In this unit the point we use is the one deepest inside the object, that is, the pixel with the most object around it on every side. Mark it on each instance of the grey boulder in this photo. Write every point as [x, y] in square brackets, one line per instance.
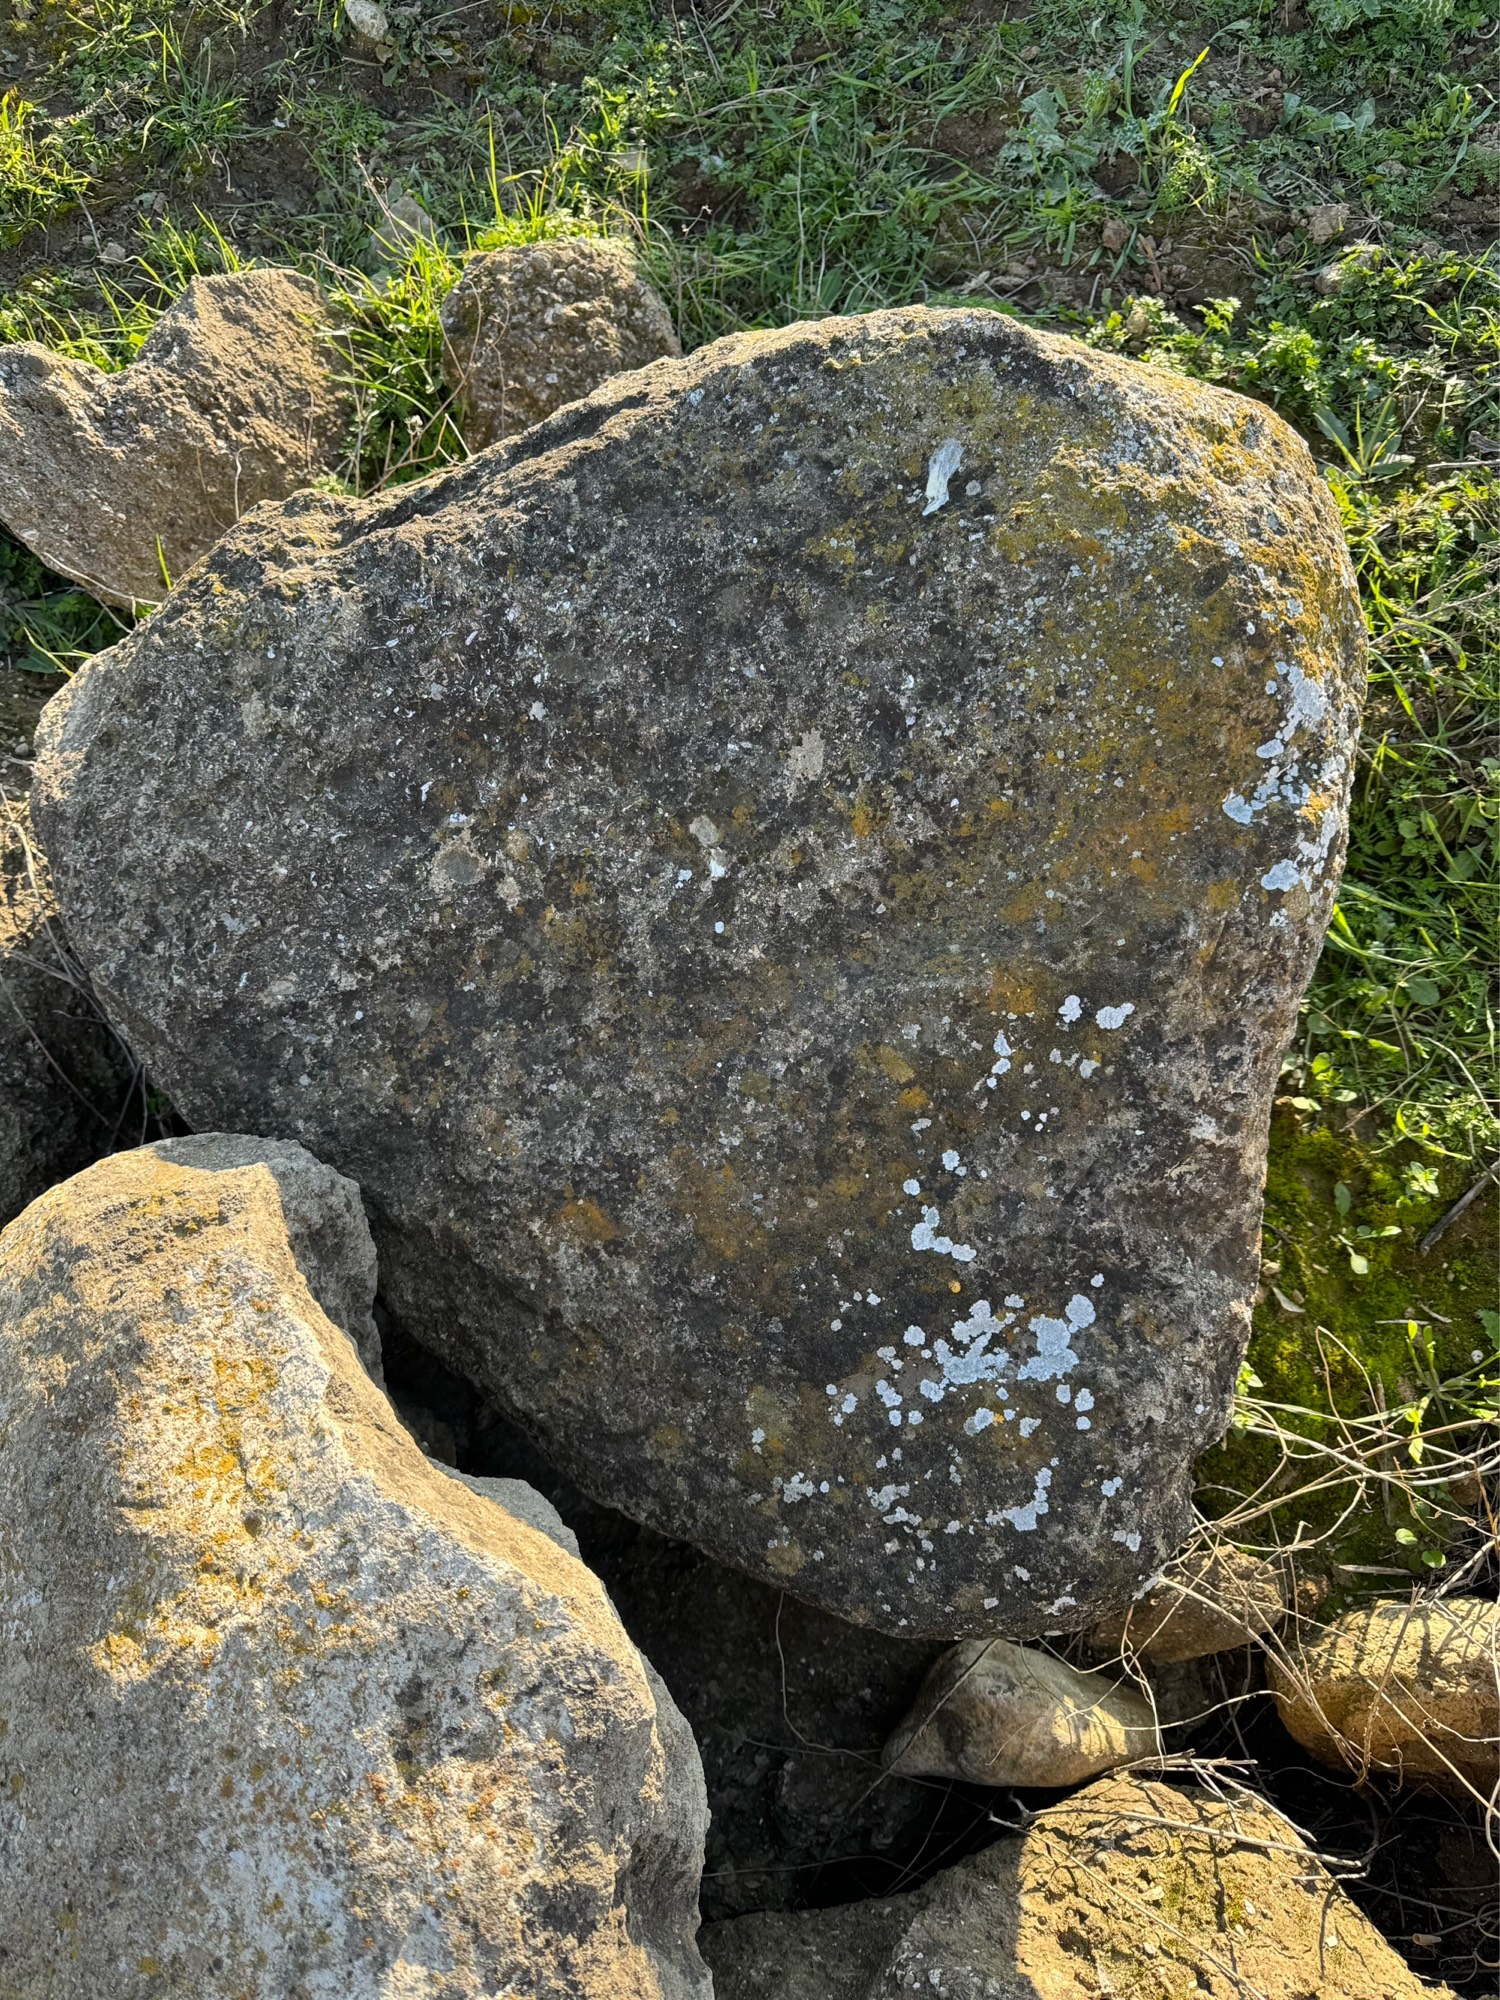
[285, 1709]
[787, 886]
[122, 481]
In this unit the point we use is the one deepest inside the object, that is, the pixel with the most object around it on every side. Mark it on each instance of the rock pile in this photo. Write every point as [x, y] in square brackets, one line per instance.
[286, 1708]
[122, 481]
[763, 911]
[786, 886]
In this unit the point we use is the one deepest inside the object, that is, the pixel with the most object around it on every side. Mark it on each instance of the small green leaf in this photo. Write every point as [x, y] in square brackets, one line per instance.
[1433, 1558]
[1343, 1201]
[1360, 1266]
[1424, 991]
[1406, 1538]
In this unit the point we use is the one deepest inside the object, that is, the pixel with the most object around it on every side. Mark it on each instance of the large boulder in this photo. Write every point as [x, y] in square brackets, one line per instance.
[66, 1081]
[122, 481]
[1131, 1888]
[1410, 1689]
[536, 325]
[284, 1708]
[996, 1714]
[787, 887]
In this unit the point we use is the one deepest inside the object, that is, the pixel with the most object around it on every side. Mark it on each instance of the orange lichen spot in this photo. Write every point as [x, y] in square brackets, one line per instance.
[915, 1099]
[864, 819]
[583, 888]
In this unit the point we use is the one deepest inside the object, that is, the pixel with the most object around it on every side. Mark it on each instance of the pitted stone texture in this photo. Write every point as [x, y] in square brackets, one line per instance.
[992, 1713]
[65, 1080]
[787, 887]
[287, 1709]
[1131, 1889]
[529, 328]
[232, 399]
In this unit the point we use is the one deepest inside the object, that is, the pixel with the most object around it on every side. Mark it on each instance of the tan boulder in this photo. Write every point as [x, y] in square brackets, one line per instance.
[1412, 1689]
[1209, 1601]
[122, 481]
[1134, 1890]
[284, 1708]
[993, 1713]
[529, 328]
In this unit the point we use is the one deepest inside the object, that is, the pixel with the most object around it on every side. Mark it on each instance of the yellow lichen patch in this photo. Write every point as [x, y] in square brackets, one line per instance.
[1009, 993]
[865, 818]
[895, 1065]
[584, 1221]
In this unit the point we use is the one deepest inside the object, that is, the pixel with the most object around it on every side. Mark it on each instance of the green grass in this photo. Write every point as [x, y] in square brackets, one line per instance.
[1289, 197]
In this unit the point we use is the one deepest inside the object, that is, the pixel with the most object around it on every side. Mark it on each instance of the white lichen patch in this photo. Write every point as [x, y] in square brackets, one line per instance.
[1313, 798]
[1115, 1017]
[1027, 1517]
[1054, 1356]
[941, 467]
[924, 1236]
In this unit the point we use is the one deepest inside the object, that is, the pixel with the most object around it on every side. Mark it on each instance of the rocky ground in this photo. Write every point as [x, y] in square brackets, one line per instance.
[757, 934]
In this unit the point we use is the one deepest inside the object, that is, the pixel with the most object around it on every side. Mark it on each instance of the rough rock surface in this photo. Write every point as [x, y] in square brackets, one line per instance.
[231, 400]
[1134, 1890]
[787, 887]
[529, 328]
[997, 1714]
[1207, 1602]
[65, 1080]
[1407, 1688]
[286, 1709]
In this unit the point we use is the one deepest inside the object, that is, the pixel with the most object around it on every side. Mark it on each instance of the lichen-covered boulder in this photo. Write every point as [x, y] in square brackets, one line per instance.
[992, 1713]
[285, 1709]
[536, 325]
[121, 481]
[787, 886]
[66, 1081]
[1408, 1689]
[1132, 1889]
